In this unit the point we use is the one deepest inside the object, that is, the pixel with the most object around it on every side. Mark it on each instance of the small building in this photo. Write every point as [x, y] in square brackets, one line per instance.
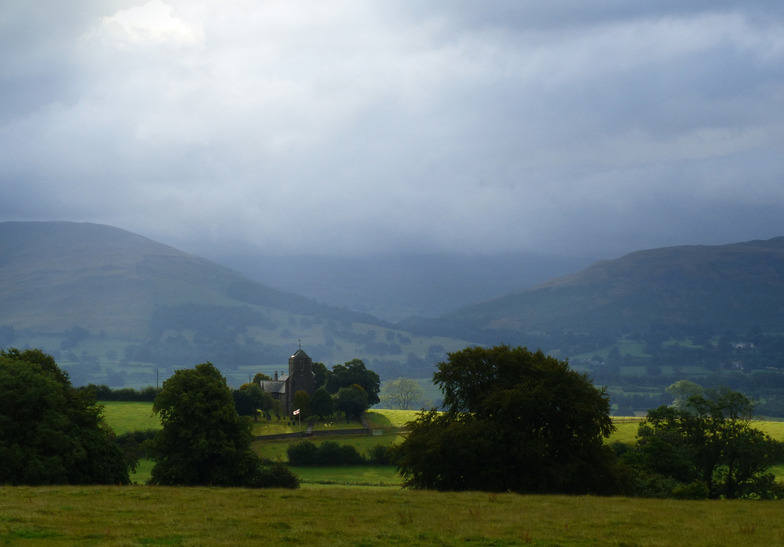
[299, 378]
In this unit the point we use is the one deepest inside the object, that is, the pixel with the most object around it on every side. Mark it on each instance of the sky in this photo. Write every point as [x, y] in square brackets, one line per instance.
[354, 127]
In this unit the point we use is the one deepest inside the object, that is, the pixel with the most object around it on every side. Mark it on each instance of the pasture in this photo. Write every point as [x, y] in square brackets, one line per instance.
[276, 449]
[335, 516]
[125, 416]
[130, 416]
[365, 506]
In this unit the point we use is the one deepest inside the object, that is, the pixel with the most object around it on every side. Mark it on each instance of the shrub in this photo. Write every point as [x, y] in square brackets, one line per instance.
[302, 453]
[305, 453]
[380, 455]
[275, 475]
[331, 453]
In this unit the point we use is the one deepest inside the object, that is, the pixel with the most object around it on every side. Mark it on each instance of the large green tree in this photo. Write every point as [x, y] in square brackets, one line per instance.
[321, 404]
[514, 420]
[705, 447]
[352, 401]
[250, 399]
[320, 374]
[352, 373]
[50, 432]
[203, 440]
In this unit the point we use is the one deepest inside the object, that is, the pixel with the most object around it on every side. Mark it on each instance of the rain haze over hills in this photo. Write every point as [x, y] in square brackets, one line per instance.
[306, 132]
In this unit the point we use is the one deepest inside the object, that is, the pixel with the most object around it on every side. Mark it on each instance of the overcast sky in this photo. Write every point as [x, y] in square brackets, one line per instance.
[351, 127]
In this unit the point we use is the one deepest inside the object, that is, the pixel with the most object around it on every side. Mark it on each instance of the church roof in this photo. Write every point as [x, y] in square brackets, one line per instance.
[300, 353]
[273, 386]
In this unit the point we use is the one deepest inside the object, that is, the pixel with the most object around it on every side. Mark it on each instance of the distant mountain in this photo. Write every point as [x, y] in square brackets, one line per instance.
[395, 286]
[707, 289]
[104, 279]
[114, 307]
[713, 315]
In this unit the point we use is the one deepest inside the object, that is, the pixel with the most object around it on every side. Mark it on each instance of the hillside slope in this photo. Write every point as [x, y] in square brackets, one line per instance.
[709, 288]
[112, 305]
[61, 274]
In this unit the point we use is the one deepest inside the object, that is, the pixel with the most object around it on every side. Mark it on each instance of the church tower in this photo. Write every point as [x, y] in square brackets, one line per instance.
[301, 377]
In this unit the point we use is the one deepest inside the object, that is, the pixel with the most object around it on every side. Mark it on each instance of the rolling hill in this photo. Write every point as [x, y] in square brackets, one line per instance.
[713, 315]
[115, 307]
[119, 309]
[707, 289]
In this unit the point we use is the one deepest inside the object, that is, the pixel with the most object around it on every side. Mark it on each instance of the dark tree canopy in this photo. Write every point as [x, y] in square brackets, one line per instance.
[250, 399]
[351, 373]
[301, 403]
[705, 447]
[203, 440]
[50, 432]
[320, 373]
[352, 401]
[321, 404]
[515, 420]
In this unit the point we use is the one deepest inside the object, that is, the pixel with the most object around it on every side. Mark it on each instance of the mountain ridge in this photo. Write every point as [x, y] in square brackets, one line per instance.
[721, 287]
[117, 308]
[121, 259]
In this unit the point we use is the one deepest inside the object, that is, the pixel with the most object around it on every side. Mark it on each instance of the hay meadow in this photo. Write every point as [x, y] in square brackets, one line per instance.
[339, 515]
[366, 506]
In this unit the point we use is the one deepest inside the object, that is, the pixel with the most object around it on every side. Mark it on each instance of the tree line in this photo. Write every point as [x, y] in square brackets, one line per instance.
[54, 433]
[329, 453]
[514, 420]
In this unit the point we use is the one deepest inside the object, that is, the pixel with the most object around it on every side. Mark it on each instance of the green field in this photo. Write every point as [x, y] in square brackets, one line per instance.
[363, 475]
[333, 515]
[125, 416]
[130, 416]
[364, 505]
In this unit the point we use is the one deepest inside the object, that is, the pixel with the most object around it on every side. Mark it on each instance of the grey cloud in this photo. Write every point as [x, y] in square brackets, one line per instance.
[371, 126]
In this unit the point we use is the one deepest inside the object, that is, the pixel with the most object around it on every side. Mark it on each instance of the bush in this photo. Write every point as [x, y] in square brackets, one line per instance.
[302, 453]
[380, 455]
[331, 453]
[306, 453]
[275, 475]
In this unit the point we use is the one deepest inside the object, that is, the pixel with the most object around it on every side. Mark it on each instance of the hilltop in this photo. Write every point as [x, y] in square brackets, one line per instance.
[710, 289]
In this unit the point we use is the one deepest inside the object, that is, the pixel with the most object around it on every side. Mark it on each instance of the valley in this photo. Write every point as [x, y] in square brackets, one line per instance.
[119, 309]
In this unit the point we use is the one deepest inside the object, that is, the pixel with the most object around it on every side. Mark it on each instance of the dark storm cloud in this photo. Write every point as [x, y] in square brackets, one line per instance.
[350, 127]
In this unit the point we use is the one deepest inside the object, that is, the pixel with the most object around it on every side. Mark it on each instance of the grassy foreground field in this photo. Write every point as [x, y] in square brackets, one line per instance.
[368, 516]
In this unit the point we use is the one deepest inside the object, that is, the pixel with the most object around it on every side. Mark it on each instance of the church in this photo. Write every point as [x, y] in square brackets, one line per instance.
[299, 378]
